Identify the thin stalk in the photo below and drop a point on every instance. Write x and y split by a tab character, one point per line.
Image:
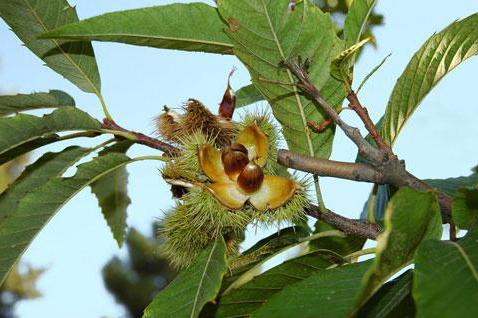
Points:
357	254
318	193
160	158
103	105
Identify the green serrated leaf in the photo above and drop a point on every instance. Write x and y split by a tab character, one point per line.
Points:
73	60
440	54
248	95
330	293
243	269
49	166
188	27
392	300
36	208
446	278
28	131
242	302
357	19
11	104
112	193
193	287
410	218
267	32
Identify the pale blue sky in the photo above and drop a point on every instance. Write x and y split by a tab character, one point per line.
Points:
439	141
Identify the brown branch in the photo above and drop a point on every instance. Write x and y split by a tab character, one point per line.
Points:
319	128
365	148
329	168
362	112
346	225
385	167
140	138
391	172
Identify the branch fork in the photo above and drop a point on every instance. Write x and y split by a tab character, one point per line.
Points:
383	166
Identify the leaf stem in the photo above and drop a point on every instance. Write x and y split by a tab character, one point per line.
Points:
103	105
160	158
89	134
363	252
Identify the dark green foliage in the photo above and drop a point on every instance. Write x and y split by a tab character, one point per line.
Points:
112	193
446	280
392	300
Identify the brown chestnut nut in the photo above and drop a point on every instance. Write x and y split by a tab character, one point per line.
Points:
251	177
234	159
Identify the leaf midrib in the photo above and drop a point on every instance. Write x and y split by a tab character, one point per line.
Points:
40	21
134	35
291	80
202	279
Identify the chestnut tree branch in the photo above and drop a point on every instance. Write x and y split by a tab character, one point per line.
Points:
140	138
365	148
362	112
346	225
384	167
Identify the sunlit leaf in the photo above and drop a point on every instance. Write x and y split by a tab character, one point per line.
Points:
440	54
265	33
357	19
188	27
74	60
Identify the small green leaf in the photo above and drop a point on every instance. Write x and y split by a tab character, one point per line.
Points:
49	166
330	293
112	193
465	208
392	300
243	269
248	95
246	299
11	104
446	278
440	54
28	131
266	33
74	60
342	64
193	287
188	27
357	20
410	218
